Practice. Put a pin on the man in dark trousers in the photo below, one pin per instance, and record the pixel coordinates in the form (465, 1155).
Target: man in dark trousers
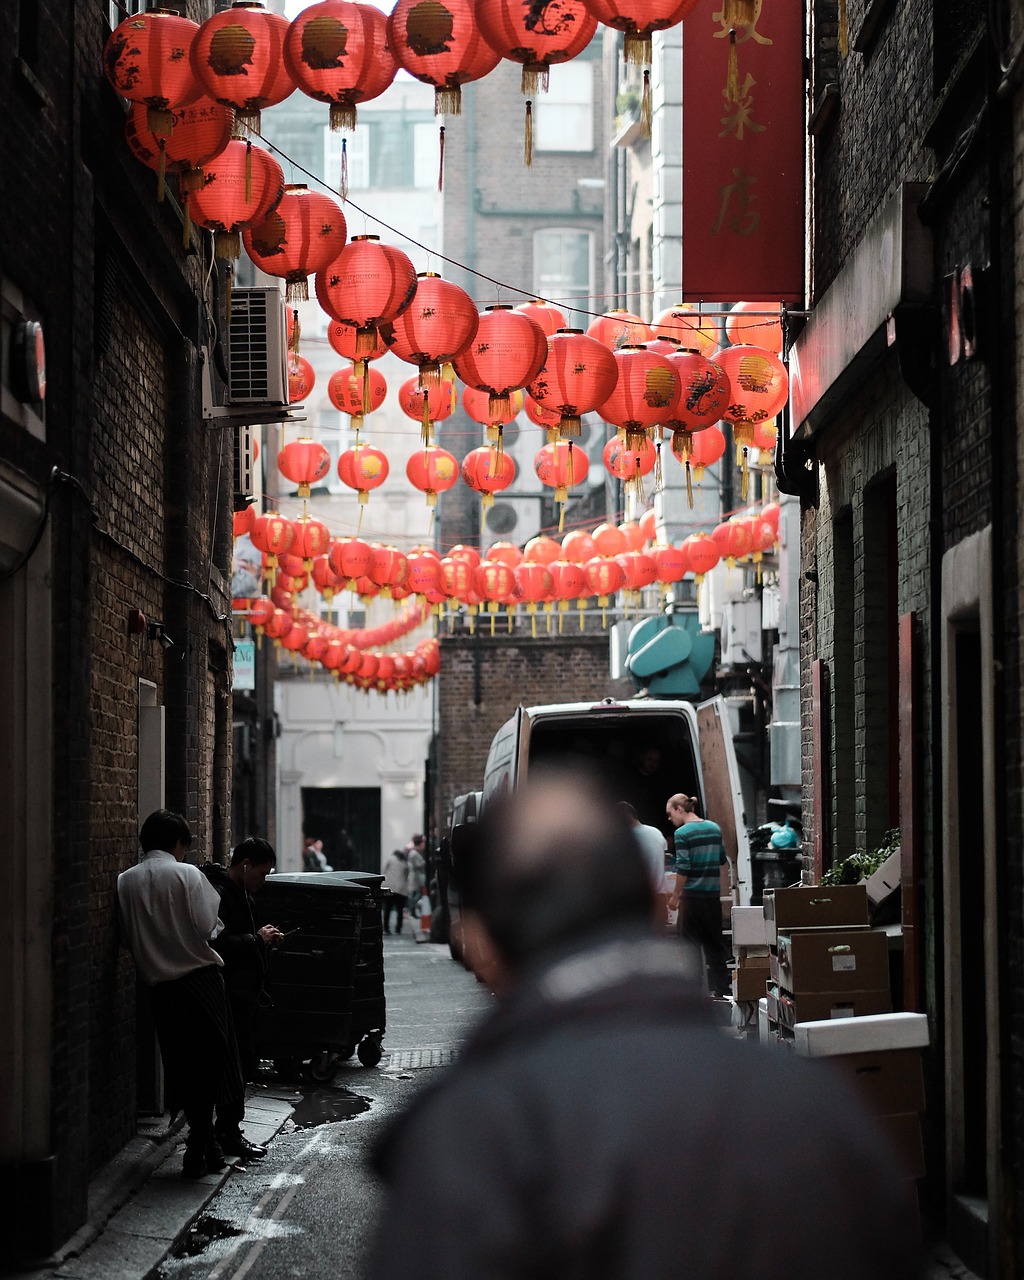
(168, 914)
(598, 1125)
(243, 945)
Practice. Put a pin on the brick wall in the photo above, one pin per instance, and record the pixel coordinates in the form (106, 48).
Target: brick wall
(483, 680)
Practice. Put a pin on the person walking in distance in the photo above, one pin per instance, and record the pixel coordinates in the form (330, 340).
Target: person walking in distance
(598, 1125)
(244, 945)
(699, 853)
(168, 914)
(396, 888)
(415, 852)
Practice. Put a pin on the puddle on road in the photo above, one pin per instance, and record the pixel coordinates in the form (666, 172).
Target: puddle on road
(202, 1233)
(326, 1105)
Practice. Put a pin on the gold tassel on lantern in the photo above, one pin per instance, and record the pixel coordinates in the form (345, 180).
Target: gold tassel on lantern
(440, 159)
(362, 368)
(659, 475)
(731, 93)
(689, 483)
(637, 48)
(293, 345)
(343, 116)
(425, 423)
(645, 106)
(535, 78)
(448, 99)
(528, 136)
(343, 184)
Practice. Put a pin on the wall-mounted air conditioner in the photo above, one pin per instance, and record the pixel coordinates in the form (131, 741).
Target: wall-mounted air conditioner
(512, 519)
(741, 633)
(245, 462)
(256, 360)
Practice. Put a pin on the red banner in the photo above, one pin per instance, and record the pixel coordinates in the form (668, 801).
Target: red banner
(743, 152)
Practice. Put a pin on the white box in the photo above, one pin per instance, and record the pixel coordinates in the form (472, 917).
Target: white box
(885, 880)
(868, 1034)
(748, 927)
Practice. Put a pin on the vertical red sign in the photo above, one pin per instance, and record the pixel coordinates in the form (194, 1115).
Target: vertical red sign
(743, 151)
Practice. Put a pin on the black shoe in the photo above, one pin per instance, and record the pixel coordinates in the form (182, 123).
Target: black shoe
(193, 1164)
(239, 1145)
(215, 1161)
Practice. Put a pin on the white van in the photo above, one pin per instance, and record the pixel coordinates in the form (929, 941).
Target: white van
(651, 749)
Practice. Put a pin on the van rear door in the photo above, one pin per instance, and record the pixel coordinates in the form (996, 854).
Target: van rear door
(506, 756)
(723, 797)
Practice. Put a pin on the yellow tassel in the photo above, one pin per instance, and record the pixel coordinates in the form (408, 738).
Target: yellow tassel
(689, 483)
(528, 136)
(561, 516)
(448, 100)
(743, 477)
(638, 483)
(293, 346)
(731, 92)
(659, 475)
(646, 112)
(844, 29)
(637, 48)
(363, 370)
(425, 420)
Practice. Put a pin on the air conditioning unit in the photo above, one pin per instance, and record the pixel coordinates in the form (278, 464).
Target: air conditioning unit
(257, 348)
(244, 461)
(741, 632)
(513, 519)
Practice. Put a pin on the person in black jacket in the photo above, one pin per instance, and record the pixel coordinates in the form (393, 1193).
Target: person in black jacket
(599, 1125)
(243, 945)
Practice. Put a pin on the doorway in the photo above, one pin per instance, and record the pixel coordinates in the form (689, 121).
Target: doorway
(347, 820)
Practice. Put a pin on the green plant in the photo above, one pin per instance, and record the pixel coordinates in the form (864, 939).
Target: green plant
(859, 866)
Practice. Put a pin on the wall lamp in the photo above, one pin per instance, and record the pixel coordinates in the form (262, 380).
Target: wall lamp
(155, 631)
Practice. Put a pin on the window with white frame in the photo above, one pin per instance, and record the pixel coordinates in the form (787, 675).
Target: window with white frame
(563, 118)
(563, 269)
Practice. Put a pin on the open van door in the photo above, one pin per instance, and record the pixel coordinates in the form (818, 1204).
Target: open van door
(723, 797)
(507, 757)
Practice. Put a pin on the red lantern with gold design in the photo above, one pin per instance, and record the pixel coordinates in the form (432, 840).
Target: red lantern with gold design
(301, 378)
(756, 323)
(342, 338)
(238, 57)
(312, 539)
(671, 563)
(604, 578)
(704, 393)
(535, 585)
(302, 235)
(200, 131)
(146, 60)
(639, 19)
(645, 394)
(368, 284)
(427, 405)
(578, 546)
(702, 553)
(432, 470)
(350, 559)
(338, 52)
(547, 418)
(759, 383)
(546, 314)
(629, 465)
(435, 327)
(579, 373)
(640, 569)
(619, 328)
(562, 466)
(488, 471)
(733, 540)
(507, 552)
(240, 186)
(441, 45)
(305, 462)
(363, 468)
(272, 534)
(324, 578)
(542, 550)
(495, 581)
(477, 405)
(506, 353)
(357, 394)
(689, 327)
(388, 567)
(570, 583)
(456, 580)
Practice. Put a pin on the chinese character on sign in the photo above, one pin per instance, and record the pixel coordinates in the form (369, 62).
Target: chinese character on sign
(742, 117)
(738, 20)
(735, 211)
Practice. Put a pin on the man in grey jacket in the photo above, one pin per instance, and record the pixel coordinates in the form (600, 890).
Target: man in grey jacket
(598, 1125)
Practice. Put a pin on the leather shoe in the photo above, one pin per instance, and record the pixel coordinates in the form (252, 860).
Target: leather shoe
(215, 1161)
(238, 1145)
(193, 1164)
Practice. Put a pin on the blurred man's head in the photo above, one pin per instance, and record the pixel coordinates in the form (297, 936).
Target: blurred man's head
(252, 860)
(550, 864)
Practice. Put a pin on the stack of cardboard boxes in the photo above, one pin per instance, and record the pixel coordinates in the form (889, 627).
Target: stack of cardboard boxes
(750, 955)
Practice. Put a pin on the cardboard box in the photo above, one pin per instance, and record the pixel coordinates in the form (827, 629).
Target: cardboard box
(884, 881)
(749, 984)
(831, 960)
(890, 1082)
(753, 958)
(824, 907)
(813, 1006)
(903, 1132)
(748, 927)
(826, 1039)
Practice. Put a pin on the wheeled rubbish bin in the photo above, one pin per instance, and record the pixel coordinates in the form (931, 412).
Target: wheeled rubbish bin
(325, 982)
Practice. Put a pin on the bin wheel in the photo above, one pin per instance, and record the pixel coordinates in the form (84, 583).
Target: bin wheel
(369, 1052)
(288, 1068)
(323, 1067)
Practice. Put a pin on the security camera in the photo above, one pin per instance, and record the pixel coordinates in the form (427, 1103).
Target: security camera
(165, 640)
(156, 632)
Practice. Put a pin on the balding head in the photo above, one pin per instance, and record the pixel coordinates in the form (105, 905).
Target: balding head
(554, 861)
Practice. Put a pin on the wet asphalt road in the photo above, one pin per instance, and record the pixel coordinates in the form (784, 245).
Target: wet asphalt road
(308, 1208)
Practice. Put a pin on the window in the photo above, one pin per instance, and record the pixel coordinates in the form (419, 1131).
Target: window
(562, 267)
(563, 118)
(390, 150)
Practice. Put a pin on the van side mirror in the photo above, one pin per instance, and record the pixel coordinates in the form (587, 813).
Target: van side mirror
(462, 839)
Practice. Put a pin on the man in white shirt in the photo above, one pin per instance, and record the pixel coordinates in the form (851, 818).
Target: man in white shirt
(653, 846)
(168, 916)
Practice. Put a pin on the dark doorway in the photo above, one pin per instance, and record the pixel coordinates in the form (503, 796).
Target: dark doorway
(347, 820)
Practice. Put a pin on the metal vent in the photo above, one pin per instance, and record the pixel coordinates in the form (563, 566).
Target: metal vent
(257, 358)
(244, 461)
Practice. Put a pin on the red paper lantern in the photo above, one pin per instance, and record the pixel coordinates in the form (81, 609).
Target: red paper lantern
(535, 585)
(470, 554)
(368, 284)
(363, 467)
(671, 563)
(312, 538)
(640, 569)
(441, 45)
(424, 572)
(762, 535)
(562, 466)
(456, 579)
(356, 393)
(342, 338)
(261, 610)
(507, 552)
(619, 328)
(547, 418)
(627, 463)
(771, 512)
(146, 60)
(432, 470)
(301, 378)
(649, 525)
(350, 559)
(546, 314)
(237, 56)
(338, 52)
(388, 568)
(200, 131)
(242, 521)
(570, 583)
(704, 393)
(536, 35)
(702, 554)
(759, 382)
(240, 186)
(427, 405)
(689, 327)
(435, 327)
(507, 352)
(324, 578)
(702, 449)
(609, 540)
(579, 373)
(302, 235)
(578, 546)
(496, 582)
(633, 534)
(289, 563)
(733, 540)
(645, 393)
(756, 323)
(604, 578)
(305, 462)
(542, 550)
(272, 534)
(639, 19)
(477, 405)
(315, 648)
(488, 471)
